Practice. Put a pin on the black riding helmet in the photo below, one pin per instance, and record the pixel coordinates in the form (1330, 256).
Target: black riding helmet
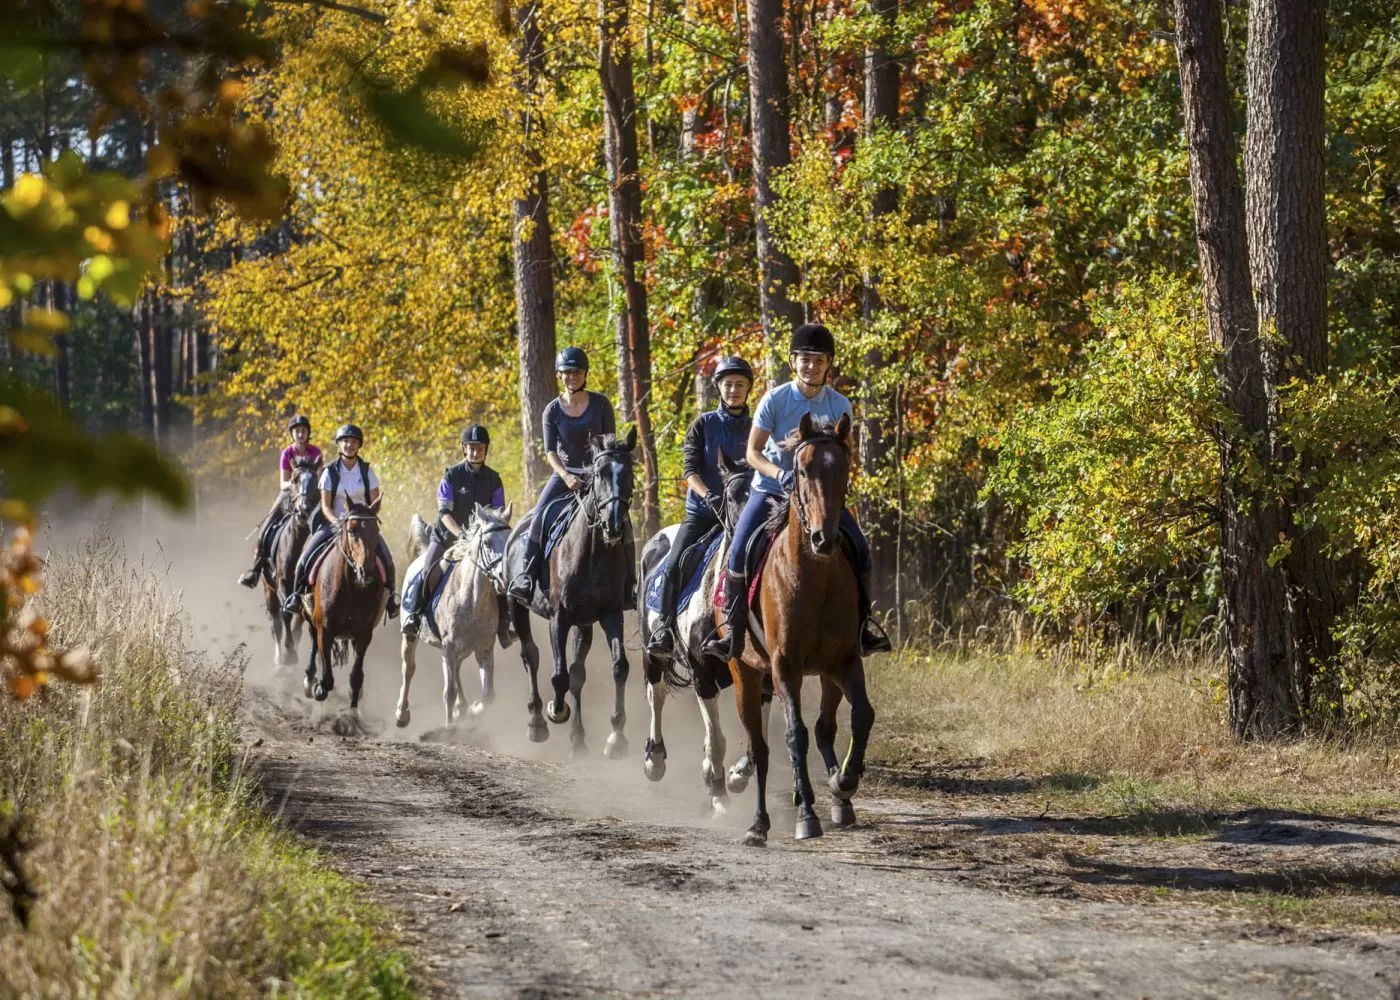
(813, 338)
(349, 431)
(732, 365)
(476, 434)
(300, 420)
(571, 359)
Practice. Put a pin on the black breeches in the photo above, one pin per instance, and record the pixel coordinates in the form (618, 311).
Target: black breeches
(693, 527)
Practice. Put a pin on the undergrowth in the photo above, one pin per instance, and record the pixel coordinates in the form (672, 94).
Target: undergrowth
(154, 870)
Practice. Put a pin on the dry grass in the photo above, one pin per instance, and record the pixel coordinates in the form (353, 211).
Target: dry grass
(157, 874)
(1118, 728)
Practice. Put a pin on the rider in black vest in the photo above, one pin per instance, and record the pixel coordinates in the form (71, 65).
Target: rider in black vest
(464, 485)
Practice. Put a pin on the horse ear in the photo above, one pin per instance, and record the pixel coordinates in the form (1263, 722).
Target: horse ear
(843, 427)
(632, 438)
(510, 510)
(725, 469)
(477, 511)
(804, 427)
(374, 507)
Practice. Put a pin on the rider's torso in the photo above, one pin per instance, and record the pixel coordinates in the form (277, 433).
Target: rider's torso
(779, 413)
(290, 456)
(462, 488)
(714, 433)
(568, 436)
(351, 486)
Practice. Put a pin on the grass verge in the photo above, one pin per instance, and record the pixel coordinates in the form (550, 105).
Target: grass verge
(155, 871)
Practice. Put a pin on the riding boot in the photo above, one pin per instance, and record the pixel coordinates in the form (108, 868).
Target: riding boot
(251, 577)
(522, 587)
(872, 637)
(505, 635)
(662, 641)
(413, 608)
(736, 612)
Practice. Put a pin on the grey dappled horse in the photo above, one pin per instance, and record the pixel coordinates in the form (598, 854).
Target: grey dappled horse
(467, 613)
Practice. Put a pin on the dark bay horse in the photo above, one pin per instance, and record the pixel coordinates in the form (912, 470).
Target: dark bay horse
(688, 665)
(808, 603)
(588, 571)
(304, 500)
(347, 601)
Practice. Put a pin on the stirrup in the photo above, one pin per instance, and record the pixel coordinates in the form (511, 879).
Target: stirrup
(412, 622)
(250, 577)
(873, 638)
(522, 588)
(292, 604)
(661, 642)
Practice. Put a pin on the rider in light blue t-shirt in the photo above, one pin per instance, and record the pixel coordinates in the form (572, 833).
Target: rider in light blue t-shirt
(775, 420)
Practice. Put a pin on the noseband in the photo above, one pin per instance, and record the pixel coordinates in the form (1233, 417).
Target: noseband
(796, 493)
(361, 573)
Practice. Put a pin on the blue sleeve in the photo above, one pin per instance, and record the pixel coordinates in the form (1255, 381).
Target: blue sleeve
(551, 429)
(498, 498)
(444, 496)
(767, 413)
(847, 410)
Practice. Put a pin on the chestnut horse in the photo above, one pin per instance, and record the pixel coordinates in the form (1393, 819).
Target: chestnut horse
(347, 600)
(808, 602)
(305, 500)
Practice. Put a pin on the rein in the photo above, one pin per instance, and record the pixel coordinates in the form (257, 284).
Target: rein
(493, 565)
(594, 511)
(361, 574)
(796, 493)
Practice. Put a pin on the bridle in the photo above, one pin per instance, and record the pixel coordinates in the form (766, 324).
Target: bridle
(361, 573)
(595, 511)
(815, 439)
(304, 509)
(489, 562)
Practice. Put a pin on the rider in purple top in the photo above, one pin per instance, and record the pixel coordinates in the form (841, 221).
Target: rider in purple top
(300, 450)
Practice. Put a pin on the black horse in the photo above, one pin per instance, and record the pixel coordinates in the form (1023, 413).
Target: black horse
(588, 572)
(301, 504)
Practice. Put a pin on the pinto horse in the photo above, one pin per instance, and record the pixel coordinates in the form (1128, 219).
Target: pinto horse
(282, 558)
(807, 598)
(688, 665)
(588, 571)
(347, 601)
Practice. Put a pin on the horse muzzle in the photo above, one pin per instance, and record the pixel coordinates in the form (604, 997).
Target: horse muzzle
(823, 543)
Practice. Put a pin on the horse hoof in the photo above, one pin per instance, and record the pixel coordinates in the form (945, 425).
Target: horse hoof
(616, 747)
(755, 837)
(835, 787)
(843, 813)
(559, 715)
(321, 693)
(306, 686)
(579, 749)
(738, 777)
(401, 718)
(808, 827)
(477, 708)
(654, 761)
(537, 731)
(719, 807)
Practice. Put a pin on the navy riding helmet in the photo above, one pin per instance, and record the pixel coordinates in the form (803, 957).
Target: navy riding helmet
(732, 365)
(813, 338)
(476, 434)
(571, 359)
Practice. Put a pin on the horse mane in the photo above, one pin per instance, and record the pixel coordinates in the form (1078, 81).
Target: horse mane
(496, 515)
(305, 463)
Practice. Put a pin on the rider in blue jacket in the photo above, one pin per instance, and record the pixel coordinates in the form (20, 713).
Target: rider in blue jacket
(721, 431)
(777, 417)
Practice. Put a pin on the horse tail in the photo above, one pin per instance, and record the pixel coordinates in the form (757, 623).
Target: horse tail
(417, 536)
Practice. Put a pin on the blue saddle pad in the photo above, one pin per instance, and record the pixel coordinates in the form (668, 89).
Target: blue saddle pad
(431, 614)
(657, 581)
(557, 518)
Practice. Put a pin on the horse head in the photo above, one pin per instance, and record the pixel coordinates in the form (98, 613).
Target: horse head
(609, 498)
(487, 536)
(821, 460)
(359, 540)
(306, 497)
(738, 483)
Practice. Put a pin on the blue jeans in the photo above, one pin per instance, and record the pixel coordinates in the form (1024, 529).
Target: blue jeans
(760, 507)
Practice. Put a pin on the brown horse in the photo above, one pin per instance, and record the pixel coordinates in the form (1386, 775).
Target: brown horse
(808, 602)
(304, 500)
(347, 601)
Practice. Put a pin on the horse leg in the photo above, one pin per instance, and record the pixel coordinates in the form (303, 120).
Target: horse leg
(357, 669)
(738, 777)
(310, 678)
(408, 654)
(654, 754)
(486, 668)
(748, 686)
(843, 783)
(537, 729)
(617, 742)
(789, 688)
(712, 765)
(274, 613)
(557, 710)
(325, 684)
(578, 675)
(842, 813)
(450, 660)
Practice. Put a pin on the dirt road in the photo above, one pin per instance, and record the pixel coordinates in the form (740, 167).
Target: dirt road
(520, 872)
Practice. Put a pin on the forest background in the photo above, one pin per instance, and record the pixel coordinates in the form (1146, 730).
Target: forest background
(989, 201)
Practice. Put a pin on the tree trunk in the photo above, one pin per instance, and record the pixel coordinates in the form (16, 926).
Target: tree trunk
(1286, 219)
(142, 317)
(1262, 696)
(768, 114)
(881, 111)
(13, 315)
(534, 267)
(625, 217)
(62, 299)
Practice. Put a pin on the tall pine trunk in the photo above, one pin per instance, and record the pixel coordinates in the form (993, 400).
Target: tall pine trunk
(1287, 225)
(876, 441)
(625, 223)
(768, 114)
(534, 265)
(1262, 702)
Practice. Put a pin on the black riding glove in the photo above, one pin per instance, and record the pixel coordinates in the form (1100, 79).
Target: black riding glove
(716, 504)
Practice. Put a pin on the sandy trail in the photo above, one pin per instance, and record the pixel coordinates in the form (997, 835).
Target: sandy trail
(521, 872)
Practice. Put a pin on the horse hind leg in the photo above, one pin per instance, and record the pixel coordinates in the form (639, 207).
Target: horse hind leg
(654, 754)
(325, 683)
(536, 728)
(844, 782)
(616, 746)
(738, 777)
(451, 682)
(747, 691)
(712, 764)
(790, 690)
(486, 669)
(842, 812)
(408, 655)
(357, 672)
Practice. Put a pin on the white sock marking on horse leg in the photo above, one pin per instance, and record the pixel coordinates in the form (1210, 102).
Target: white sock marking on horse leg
(713, 764)
(656, 700)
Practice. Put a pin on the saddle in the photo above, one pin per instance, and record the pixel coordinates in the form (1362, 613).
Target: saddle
(558, 516)
(319, 557)
(691, 571)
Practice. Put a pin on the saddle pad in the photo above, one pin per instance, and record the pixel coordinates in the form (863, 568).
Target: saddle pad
(437, 596)
(693, 563)
(557, 518)
(314, 574)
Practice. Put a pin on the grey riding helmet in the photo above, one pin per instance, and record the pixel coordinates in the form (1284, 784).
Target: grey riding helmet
(571, 359)
(349, 431)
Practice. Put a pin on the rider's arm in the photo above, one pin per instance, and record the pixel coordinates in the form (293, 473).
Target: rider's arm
(694, 458)
(758, 438)
(328, 505)
(450, 523)
(284, 472)
(374, 495)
